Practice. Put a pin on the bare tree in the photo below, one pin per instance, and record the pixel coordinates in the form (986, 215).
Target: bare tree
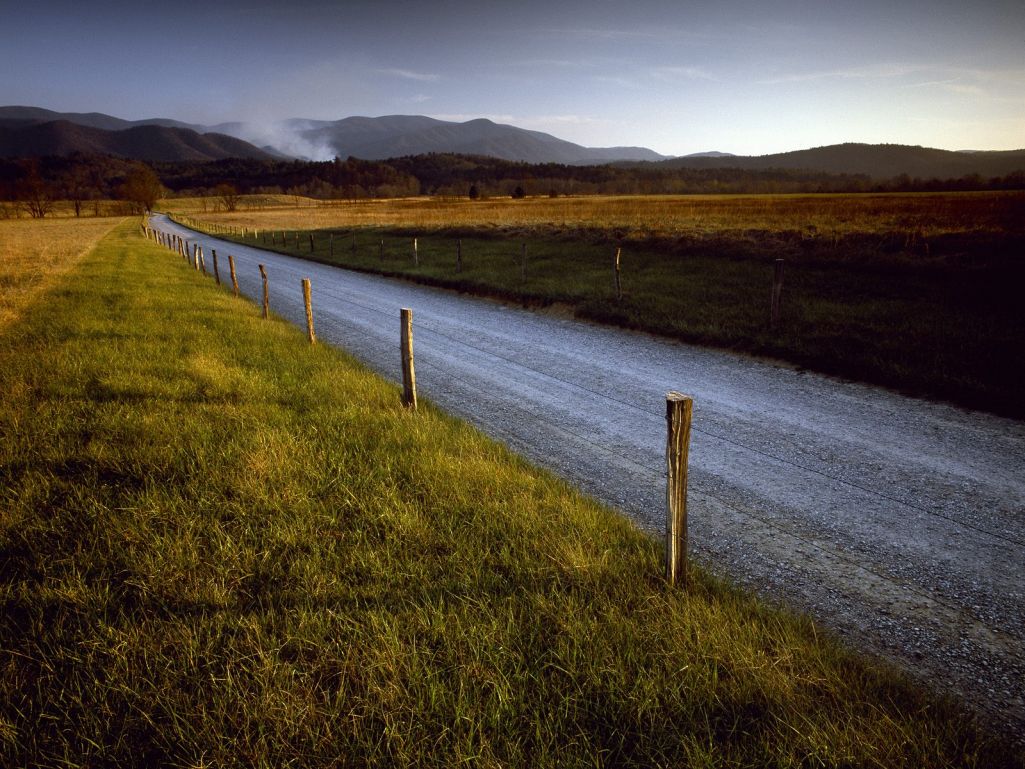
(78, 187)
(142, 188)
(227, 195)
(34, 194)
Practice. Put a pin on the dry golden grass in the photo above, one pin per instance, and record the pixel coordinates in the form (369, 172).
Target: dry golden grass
(34, 252)
(925, 214)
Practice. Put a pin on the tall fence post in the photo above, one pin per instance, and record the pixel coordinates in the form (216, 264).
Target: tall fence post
(777, 293)
(195, 255)
(266, 293)
(234, 278)
(217, 273)
(416, 254)
(678, 416)
(619, 284)
(308, 301)
(408, 372)
(202, 261)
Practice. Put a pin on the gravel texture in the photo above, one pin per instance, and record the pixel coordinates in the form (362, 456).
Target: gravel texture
(896, 522)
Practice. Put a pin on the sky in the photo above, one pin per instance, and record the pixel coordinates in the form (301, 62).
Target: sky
(679, 77)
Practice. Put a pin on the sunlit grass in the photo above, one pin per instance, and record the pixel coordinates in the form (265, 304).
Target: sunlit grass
(33, 253)
(824, 217)
(221, 546)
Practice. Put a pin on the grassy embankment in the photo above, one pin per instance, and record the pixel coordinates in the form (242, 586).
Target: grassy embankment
(915, 292)
(220, 546)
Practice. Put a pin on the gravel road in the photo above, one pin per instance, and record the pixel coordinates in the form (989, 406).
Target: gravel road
(894, 521)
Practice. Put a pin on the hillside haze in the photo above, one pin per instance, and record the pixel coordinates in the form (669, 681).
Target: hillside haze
(32, 131)
(369, 138)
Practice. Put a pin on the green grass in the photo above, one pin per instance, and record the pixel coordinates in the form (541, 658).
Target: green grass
(222, 547)
(941, 318)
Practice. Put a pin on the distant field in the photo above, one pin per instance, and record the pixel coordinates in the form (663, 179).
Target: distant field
(35, 252)
(821, 217)
(220, 546)
(915, 292)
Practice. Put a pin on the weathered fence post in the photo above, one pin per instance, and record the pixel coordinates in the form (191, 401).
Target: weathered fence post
(416, 254)
(308, 301)
(678, 415)
(217, 273)
(195, 255)
(459, 255)
(234, 278)
(266, 293)
(408, 373)
(202, 261)
(777, 293)
(619, 284)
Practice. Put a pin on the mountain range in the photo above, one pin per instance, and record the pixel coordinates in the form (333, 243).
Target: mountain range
(33, 131)
(363, 137)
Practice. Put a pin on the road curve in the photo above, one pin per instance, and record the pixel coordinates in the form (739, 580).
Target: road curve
(896, 522)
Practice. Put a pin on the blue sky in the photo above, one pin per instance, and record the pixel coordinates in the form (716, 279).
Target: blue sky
(679, 77)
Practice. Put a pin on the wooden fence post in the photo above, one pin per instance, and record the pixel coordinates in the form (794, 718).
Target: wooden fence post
(459, 255)
(202, 261)
(308, 301)
(311, 242)
(619, 284)
(266, 293)
(234, 278)
(408, 373)
(678, 415)
(416, 254)
(777, 293)
(217, 273)
(195, 255)
(381, 254)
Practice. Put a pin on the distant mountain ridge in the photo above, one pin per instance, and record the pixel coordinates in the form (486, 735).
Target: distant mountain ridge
(144, 142)
(368, 138)
(878, 161)
(33, 131)
(378, 138)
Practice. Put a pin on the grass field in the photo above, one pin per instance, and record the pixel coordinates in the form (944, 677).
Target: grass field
(34, 254)
(823, 217)
(220, 546)
(915, 292)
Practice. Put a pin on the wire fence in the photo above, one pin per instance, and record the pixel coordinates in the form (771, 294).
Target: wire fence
(649, 473)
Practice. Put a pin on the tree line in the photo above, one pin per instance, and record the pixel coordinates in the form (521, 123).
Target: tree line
(35, 184)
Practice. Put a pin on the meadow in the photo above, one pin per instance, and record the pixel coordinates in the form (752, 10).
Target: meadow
(221, 546)
(35, 253)
(914, 292)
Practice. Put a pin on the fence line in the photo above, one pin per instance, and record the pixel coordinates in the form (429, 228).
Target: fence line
(707, 433)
